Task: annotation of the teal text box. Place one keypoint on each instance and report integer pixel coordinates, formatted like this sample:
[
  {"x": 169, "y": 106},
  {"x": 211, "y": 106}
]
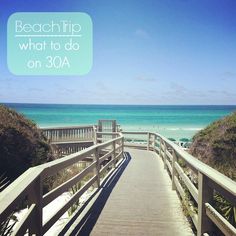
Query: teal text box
[{"x": 49, "y": 43}]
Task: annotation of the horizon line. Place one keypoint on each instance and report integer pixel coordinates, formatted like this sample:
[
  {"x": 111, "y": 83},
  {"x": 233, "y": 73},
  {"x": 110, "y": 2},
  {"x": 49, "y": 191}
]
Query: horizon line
[{"x": 102, "y": 104}]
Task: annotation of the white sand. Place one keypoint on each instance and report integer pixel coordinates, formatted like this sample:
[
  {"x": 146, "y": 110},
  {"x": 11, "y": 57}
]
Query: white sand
[{"x": 53, "y": 207}]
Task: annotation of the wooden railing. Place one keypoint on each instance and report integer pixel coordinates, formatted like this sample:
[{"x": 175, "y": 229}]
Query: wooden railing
[
  {"x": 59, "y": 135},
  {"x": 101, "y": 137},
  {"x": 68, "y": 140},
  {"x": 209, "y": 181},
  {"x": 30, "y": 185},
  {"x": 69, "y": 134},
  {"x": 65, "y": 149}
]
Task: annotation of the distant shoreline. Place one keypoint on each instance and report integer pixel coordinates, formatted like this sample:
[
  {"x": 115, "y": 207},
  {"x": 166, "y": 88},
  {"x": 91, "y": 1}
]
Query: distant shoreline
[
  {"x": 105, "y": 104},
  {"x": 172, "y": 121}
]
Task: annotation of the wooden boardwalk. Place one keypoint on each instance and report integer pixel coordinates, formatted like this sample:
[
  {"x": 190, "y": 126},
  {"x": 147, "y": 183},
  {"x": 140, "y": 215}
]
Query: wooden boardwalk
[
  {"x": 138, "y": 201},
  {"x": 135, "y": 198}
]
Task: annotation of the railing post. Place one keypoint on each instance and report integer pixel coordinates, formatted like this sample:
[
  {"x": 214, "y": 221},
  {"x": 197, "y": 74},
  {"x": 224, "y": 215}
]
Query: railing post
[
  {"x": 95, "y": 135},
  {"x": 205, "y": 195},
  {"x": 160, "y": 154},
  {"x": 97, "y": 168},
  {"x": 95, "y": 138},
  {"x": 164, "y": 157},
  {"x": 174, "y": 159},
  {"x": 154, "y": 142},
  {"x": 123, "y": 146},
  {"x": 35, "y": 197},
  {"x": 114, "y": 153},
  {"x": 148, "y": 141}
]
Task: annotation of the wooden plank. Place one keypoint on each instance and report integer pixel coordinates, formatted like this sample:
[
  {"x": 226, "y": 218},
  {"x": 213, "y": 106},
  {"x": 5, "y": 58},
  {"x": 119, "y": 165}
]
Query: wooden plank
[
  {"x": 52, "y": 167},
  {"x": 162, "y": 153},
  {"x": 148, "y": 141},
  {"x": 173, "y": 174},
  {"x": 66, "y": 127},
  {"x": 194, "y": 217},
  {"x": 12, "y": 196},
  {"x": 108, "y": 133},
  {"x": 97, "y": 167},
  {"x": 67, "y": 205},
  {"x": 23, "y": 225},
  {"x": 114, "y": 153},
  {"x": 215, "y": 181},
  {"x": 104, "y": 168},
  {"x": 220, "y": 179},
  {"x": 47, "y": 198},
  {"x": 169, "y": 166},
  {"x": 169, "y": 155},
  {"x": 205, "y": 195},
  {"x": 112, "y": 161},
  {"x": 140, "y": 203},
  {"x": 104, "y": 157},
  {"x": 180, "y": 190},
  {"x": 79, "y": 142},
  {"x": 17, "y": 191},
  {"x": 225, "y": 227},
  {"x": 179, "y": 187},
  {"x": 192, "y": 189}
]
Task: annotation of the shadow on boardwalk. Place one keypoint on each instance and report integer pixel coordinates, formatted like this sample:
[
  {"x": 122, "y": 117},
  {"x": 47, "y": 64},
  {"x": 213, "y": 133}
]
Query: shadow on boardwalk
[{"x": 89, "y": 220}]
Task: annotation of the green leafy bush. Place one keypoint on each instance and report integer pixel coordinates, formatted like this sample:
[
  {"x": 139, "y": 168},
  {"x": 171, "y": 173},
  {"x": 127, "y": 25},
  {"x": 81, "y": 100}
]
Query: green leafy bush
[{"x": 22, "y": 144}]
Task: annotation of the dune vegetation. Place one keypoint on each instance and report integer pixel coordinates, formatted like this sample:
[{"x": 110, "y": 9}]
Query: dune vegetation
[
  {"x": 22, "y": 144},
  {"x": 216, "y": 145}
]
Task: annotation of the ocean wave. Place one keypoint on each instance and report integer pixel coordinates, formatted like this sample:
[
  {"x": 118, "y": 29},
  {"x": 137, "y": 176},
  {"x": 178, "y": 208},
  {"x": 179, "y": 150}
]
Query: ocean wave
[
  {"x": 181, "y": 128},
  {"x": 160, "y": 128}
]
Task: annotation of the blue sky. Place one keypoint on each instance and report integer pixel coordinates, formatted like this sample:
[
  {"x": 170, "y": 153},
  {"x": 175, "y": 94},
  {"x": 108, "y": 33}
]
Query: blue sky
[{"x": 145, "y": 52}]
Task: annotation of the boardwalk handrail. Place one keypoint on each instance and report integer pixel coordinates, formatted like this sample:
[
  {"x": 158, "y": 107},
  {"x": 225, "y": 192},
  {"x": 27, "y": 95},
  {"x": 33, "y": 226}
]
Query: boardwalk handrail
[
  {"x": 29, "y": 185},
  {"x": 71, "y": 133},
  {"x": 67, "y": 127},
  {"x": 220, "y": 179},
  {"x": 209, "y": 180},
  {"x": 67, "y": 140}
]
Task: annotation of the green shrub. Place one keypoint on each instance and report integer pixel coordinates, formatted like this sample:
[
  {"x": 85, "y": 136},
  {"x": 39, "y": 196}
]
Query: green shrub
[
  {"x": 22, "y": 144},
  {"x": 215, "y": 145}
]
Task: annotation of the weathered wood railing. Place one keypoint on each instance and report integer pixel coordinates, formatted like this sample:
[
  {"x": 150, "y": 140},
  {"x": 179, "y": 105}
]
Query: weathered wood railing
[
  {"x": 141, "y": 139},
  {"x": 69, "y": 134},
  {"x": 30, "y": 185},
  {"x": 209, "y": 181},
  {"x": 68, "y": 140},
  {"x": 101, "y": 137}
]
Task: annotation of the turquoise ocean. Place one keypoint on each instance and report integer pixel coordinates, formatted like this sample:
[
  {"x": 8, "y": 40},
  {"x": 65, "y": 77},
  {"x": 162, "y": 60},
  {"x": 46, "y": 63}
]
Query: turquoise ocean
[{"x": 172, "y": 121}]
